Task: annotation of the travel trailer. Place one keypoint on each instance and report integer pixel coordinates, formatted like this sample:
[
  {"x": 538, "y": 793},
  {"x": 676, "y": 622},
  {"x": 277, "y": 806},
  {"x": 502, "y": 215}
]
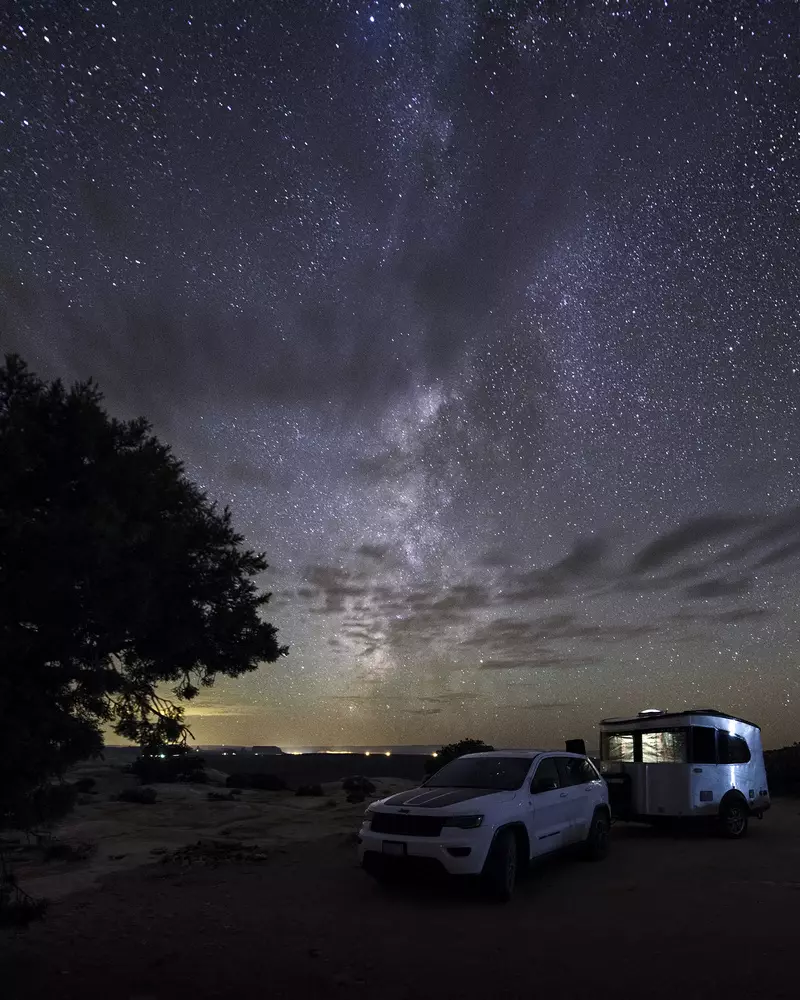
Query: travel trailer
[{"x": 697, "y": 763}]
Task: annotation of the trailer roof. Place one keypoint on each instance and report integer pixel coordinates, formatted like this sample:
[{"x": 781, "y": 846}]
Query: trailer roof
[{"x": 658, "y": 716}]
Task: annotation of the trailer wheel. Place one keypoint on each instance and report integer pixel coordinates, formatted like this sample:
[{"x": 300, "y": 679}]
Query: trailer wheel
[{"x": 733, "y": 817}]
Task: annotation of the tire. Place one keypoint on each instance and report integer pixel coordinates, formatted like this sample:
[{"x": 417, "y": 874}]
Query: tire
[
  {"x": 733, "y": 818},
  {"x": 597, "y": 842},
  {"x": 499, "y": 875}
]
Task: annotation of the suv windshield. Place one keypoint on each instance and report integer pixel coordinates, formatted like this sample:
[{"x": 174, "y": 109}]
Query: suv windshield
[{"x": 499, "y": 773}]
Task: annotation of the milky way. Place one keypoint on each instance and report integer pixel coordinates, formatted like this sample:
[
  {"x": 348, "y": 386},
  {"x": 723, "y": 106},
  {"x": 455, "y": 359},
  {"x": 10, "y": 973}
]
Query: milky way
[{"x": 481, "y": 316}]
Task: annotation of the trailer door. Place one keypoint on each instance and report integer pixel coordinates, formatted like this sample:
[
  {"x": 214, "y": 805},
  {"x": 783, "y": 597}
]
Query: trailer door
[{"x": 704, "y": 770}]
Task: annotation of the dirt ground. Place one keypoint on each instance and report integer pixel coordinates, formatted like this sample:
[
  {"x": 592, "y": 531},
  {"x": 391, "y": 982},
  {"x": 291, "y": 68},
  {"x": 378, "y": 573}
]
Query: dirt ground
[{"x": 664, "y": 915}]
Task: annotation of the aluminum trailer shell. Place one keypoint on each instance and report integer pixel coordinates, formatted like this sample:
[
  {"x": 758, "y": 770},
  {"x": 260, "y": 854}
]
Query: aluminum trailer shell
[{"x": 690, "y": 788}]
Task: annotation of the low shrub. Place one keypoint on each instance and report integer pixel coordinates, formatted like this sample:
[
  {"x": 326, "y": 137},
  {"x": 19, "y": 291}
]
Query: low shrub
[
  {"x": 451, "y": 751},
  {"x": 59, "y": 850},
  {"x": 84, "y": 785},
  {"x": 309, "y": 790},
  {"x": 198, "y": 777},
  {"x": 44, "y": 806},
  {"x": 358, "y": 784}
]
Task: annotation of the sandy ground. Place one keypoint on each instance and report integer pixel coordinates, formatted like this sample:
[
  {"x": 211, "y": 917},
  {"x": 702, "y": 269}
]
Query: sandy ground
[
  {"x": 664, "y": 915},
  {"x": 128, "y": 835}
]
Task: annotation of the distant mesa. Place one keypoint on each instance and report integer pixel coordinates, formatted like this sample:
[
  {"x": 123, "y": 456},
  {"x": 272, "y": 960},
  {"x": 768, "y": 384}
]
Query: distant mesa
[{"x": 268, "y": 750}]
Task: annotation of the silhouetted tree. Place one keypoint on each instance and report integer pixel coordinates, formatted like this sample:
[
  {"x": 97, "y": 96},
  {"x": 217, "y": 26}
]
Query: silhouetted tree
[
  {"x": 117, "y": 576},
  {"x": 452, "y": 750}
]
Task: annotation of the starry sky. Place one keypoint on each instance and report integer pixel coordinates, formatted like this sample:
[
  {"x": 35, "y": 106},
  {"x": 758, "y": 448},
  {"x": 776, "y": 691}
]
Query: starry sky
[{"x": 482, "y": 317}]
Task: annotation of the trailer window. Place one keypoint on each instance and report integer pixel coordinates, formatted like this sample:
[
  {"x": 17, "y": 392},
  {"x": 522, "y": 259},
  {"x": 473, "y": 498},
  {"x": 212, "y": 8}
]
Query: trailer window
[
  {"x": 704, "y": 745},
  {"x": 732, "y": 749},
  {"x": 617, "y": 746},
  {"x": 664, "y": 746}
]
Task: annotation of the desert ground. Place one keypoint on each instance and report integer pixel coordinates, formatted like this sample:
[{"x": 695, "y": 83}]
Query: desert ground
[{"x": 287, "y": 913}]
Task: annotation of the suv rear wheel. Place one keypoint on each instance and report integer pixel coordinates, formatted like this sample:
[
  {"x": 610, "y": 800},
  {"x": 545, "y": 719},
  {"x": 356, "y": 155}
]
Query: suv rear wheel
[
  {"x": 499, "y": 875},
  {"x": 597, "y": 841}
]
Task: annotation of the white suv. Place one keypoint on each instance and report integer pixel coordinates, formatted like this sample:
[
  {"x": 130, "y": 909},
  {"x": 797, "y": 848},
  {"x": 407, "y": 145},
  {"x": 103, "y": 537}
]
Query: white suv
[{"x": 488, "y": 814}]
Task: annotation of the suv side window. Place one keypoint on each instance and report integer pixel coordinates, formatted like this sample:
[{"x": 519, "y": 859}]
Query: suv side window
[
  {"x": 546, "y": 777},
  {"x": 586, "y": 772},
  {"x": 576, "y": 771}
]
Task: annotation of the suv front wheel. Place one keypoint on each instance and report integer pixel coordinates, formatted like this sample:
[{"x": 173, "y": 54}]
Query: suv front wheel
[
  {"x": 499, "y": 875},
  {"x": 597, "y": 842}
]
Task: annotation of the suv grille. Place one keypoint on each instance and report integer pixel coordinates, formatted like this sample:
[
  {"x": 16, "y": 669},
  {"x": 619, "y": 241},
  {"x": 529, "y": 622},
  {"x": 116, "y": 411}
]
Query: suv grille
[{"x": 404, "y": 825}]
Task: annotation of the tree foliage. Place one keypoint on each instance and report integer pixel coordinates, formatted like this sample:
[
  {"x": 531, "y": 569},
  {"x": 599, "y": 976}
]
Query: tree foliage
[
  {"x": 452, "y": 750},
  {"x": 117, "y": 576}
]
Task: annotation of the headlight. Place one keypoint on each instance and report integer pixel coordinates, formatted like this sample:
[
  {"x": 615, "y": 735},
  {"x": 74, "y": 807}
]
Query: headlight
[{"x": 464, "y": 822}]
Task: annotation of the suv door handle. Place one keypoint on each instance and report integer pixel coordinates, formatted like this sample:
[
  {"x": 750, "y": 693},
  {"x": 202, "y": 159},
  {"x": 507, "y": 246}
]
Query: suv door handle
[{"x": 563, "y": 795}]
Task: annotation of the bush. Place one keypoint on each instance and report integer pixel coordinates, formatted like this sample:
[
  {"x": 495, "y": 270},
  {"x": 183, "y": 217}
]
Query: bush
[
  {"x": 783, "y": 770},
  {"x": 309, "y": 790},
  {"x": 358, "y": 785},
  {"x": 44, "y": 806},
  {"x": 83, "y": 785},
  {"x": 231, "y": 796},
  {"x": 262, "y": 782},
  {"x": 450, "y": 751},
  {"x": 17, "y": 908},
  {"x": 141, "y": 796},
  {"x": 58, "y": 850}
]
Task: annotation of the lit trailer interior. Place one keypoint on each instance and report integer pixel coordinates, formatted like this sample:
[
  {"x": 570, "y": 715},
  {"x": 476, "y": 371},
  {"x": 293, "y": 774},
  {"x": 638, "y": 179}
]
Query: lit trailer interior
[{"x": 695, "y": 763}]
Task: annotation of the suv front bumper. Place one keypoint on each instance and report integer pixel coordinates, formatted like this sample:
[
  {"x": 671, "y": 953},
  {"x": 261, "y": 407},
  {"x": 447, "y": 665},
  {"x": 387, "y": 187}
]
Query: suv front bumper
[{"x": 459, "y": 852}]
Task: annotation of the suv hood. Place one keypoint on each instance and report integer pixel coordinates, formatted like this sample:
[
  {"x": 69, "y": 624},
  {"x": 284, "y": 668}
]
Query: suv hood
[{"x": 438, "y": 798}]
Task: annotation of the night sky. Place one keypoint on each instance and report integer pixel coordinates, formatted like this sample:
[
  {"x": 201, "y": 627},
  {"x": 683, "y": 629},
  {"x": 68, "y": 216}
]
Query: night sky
[{"x": 481, "y": 316}]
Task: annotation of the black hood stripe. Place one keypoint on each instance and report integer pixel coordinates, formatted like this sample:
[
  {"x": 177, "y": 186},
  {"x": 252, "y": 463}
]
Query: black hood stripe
[{"x": 435, "y": 798}]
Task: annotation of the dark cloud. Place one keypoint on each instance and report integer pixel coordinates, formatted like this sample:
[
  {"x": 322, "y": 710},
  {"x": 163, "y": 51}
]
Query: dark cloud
[
  {"x": 578, "y": 572},
  {"x": 540, "y": 662},
  {"x": 586, "y": 557},
  {"x": 464, "y": 597},
  {"x": 686, "y": 538},
  {"x": 781, "y": 554},
  {"x": 453, "y": 697},
  {"x": 743, "y": 615},
  {"x": 712, "y": 589},
  {"x": 337, "y": 586},
  {"x": 776, "y": 528},
  {"x": 731, "y": 617},
  {"x": 375, "y": 552},
  {"x": 536, "y": 706},
  {"x": 512, "y": 636}
]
